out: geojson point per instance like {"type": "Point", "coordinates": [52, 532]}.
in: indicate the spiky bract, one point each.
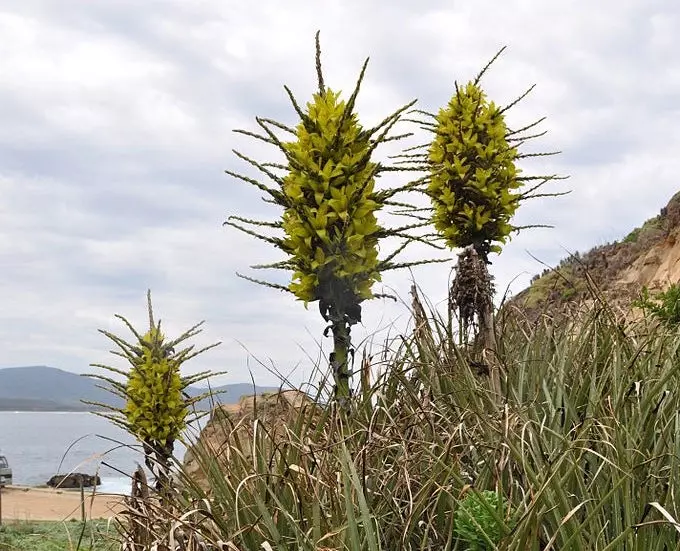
{"type": "Point", "coordinates": [474, 181]}
{"type": "Point", "coordinates": [156, 407]}
{"type": "Point", "coordinates": [330, 230]}
{"type": "Point", "coordinates": [330, 220]}
{"type": "Point", "coordinates": [474, 177]}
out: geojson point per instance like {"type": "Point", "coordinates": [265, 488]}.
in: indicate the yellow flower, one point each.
{"type": "Point", "coordinates": [474, 178]}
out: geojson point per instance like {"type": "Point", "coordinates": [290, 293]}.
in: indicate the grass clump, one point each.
{"type": "Point", "coordinates": [93, 535]}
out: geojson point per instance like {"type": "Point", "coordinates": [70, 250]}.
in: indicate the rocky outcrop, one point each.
{"type": "Point", "coordinates": [649, 256]}
{"type": "Point", "coordinates": [231, 427]}
{"type": "Point", "coordinates": [74, 480]}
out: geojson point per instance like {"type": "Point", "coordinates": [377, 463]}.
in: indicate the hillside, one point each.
{"type": "Point", "coordinates": [42, 388]}
{"type": "Point", "coordinates": [649, 256]}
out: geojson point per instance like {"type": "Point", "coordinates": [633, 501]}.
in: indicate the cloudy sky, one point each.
{"type": "Point", "coordinates": [116, 122]}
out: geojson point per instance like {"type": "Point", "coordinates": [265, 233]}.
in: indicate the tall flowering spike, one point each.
{"type": "Point", "coordinates": [156, 407]}
{"type": "Point", "coordinates": [474, 182]}
{"type": "Point", "coordinates": [474, 178]}
{"type": "Point", "coordinates": [474, 187]}
{"type": "Point", "coordinates": [330, 219]}
{"type": "Point", "coordinates": [328, 229]}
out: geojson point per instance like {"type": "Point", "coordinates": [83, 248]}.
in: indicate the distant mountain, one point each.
{"type": "Point", "coordinates": [42, 388]}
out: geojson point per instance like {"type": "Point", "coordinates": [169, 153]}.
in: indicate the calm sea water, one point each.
{"type": "Point", "coordinates": [41, 444]}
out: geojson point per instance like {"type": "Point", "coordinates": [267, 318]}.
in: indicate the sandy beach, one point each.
{"type": "Point", "coordinates": [24, 503]}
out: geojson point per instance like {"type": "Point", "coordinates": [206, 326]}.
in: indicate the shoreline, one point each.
{"type": "Point", "coordinates": [28, 503]}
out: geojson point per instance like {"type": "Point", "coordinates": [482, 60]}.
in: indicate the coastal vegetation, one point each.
{"type": "Point", "coordinates": [581, 455]}
{"type": "Point", "coordinates": [474, 429]}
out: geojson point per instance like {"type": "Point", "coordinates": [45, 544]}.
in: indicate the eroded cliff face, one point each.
{"type": "Point", "coordinates": [649, 256]}
{"type": "Point", "coordinates": [657, 268]}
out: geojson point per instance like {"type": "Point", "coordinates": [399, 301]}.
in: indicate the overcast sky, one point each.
{"type": "Point", "coordinates": [116, 122]}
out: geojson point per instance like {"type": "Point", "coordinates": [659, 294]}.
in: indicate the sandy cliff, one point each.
{"type": "Point", "coordinates": [649, 256]}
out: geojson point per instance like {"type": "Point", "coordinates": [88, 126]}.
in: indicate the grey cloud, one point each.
{"type": "Point", "coordinates": [117, 126]}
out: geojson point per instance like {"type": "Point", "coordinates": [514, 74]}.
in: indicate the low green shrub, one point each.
{"type": "Point", "coordinates": [664, 306]}
{"type": "Point", "coordinates": [478, 521]}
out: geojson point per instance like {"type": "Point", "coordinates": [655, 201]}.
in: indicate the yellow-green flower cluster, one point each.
{"type": "Point", "coordinates": [473, 173]}
{"type": "Point", "coordinates": [329, 221]}
{"type": "Point", "coordinates": [155, 409]}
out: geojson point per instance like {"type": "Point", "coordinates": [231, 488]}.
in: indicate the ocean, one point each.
{"type": "Point", "coordinates": [39, 445]}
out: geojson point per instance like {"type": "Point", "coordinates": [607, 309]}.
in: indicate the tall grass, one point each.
{"type": "Point", "coordinates": [94, 535]}
{"type": "Point", "coordinates": [583, 452]}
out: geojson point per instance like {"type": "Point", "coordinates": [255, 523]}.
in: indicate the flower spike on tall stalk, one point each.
{"type": "Point", "coordinates": [328, 229]}
{"type": "Point", "coordinates": [475, 187]}
{"type": "Point", "coordinates": [157, 406]}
